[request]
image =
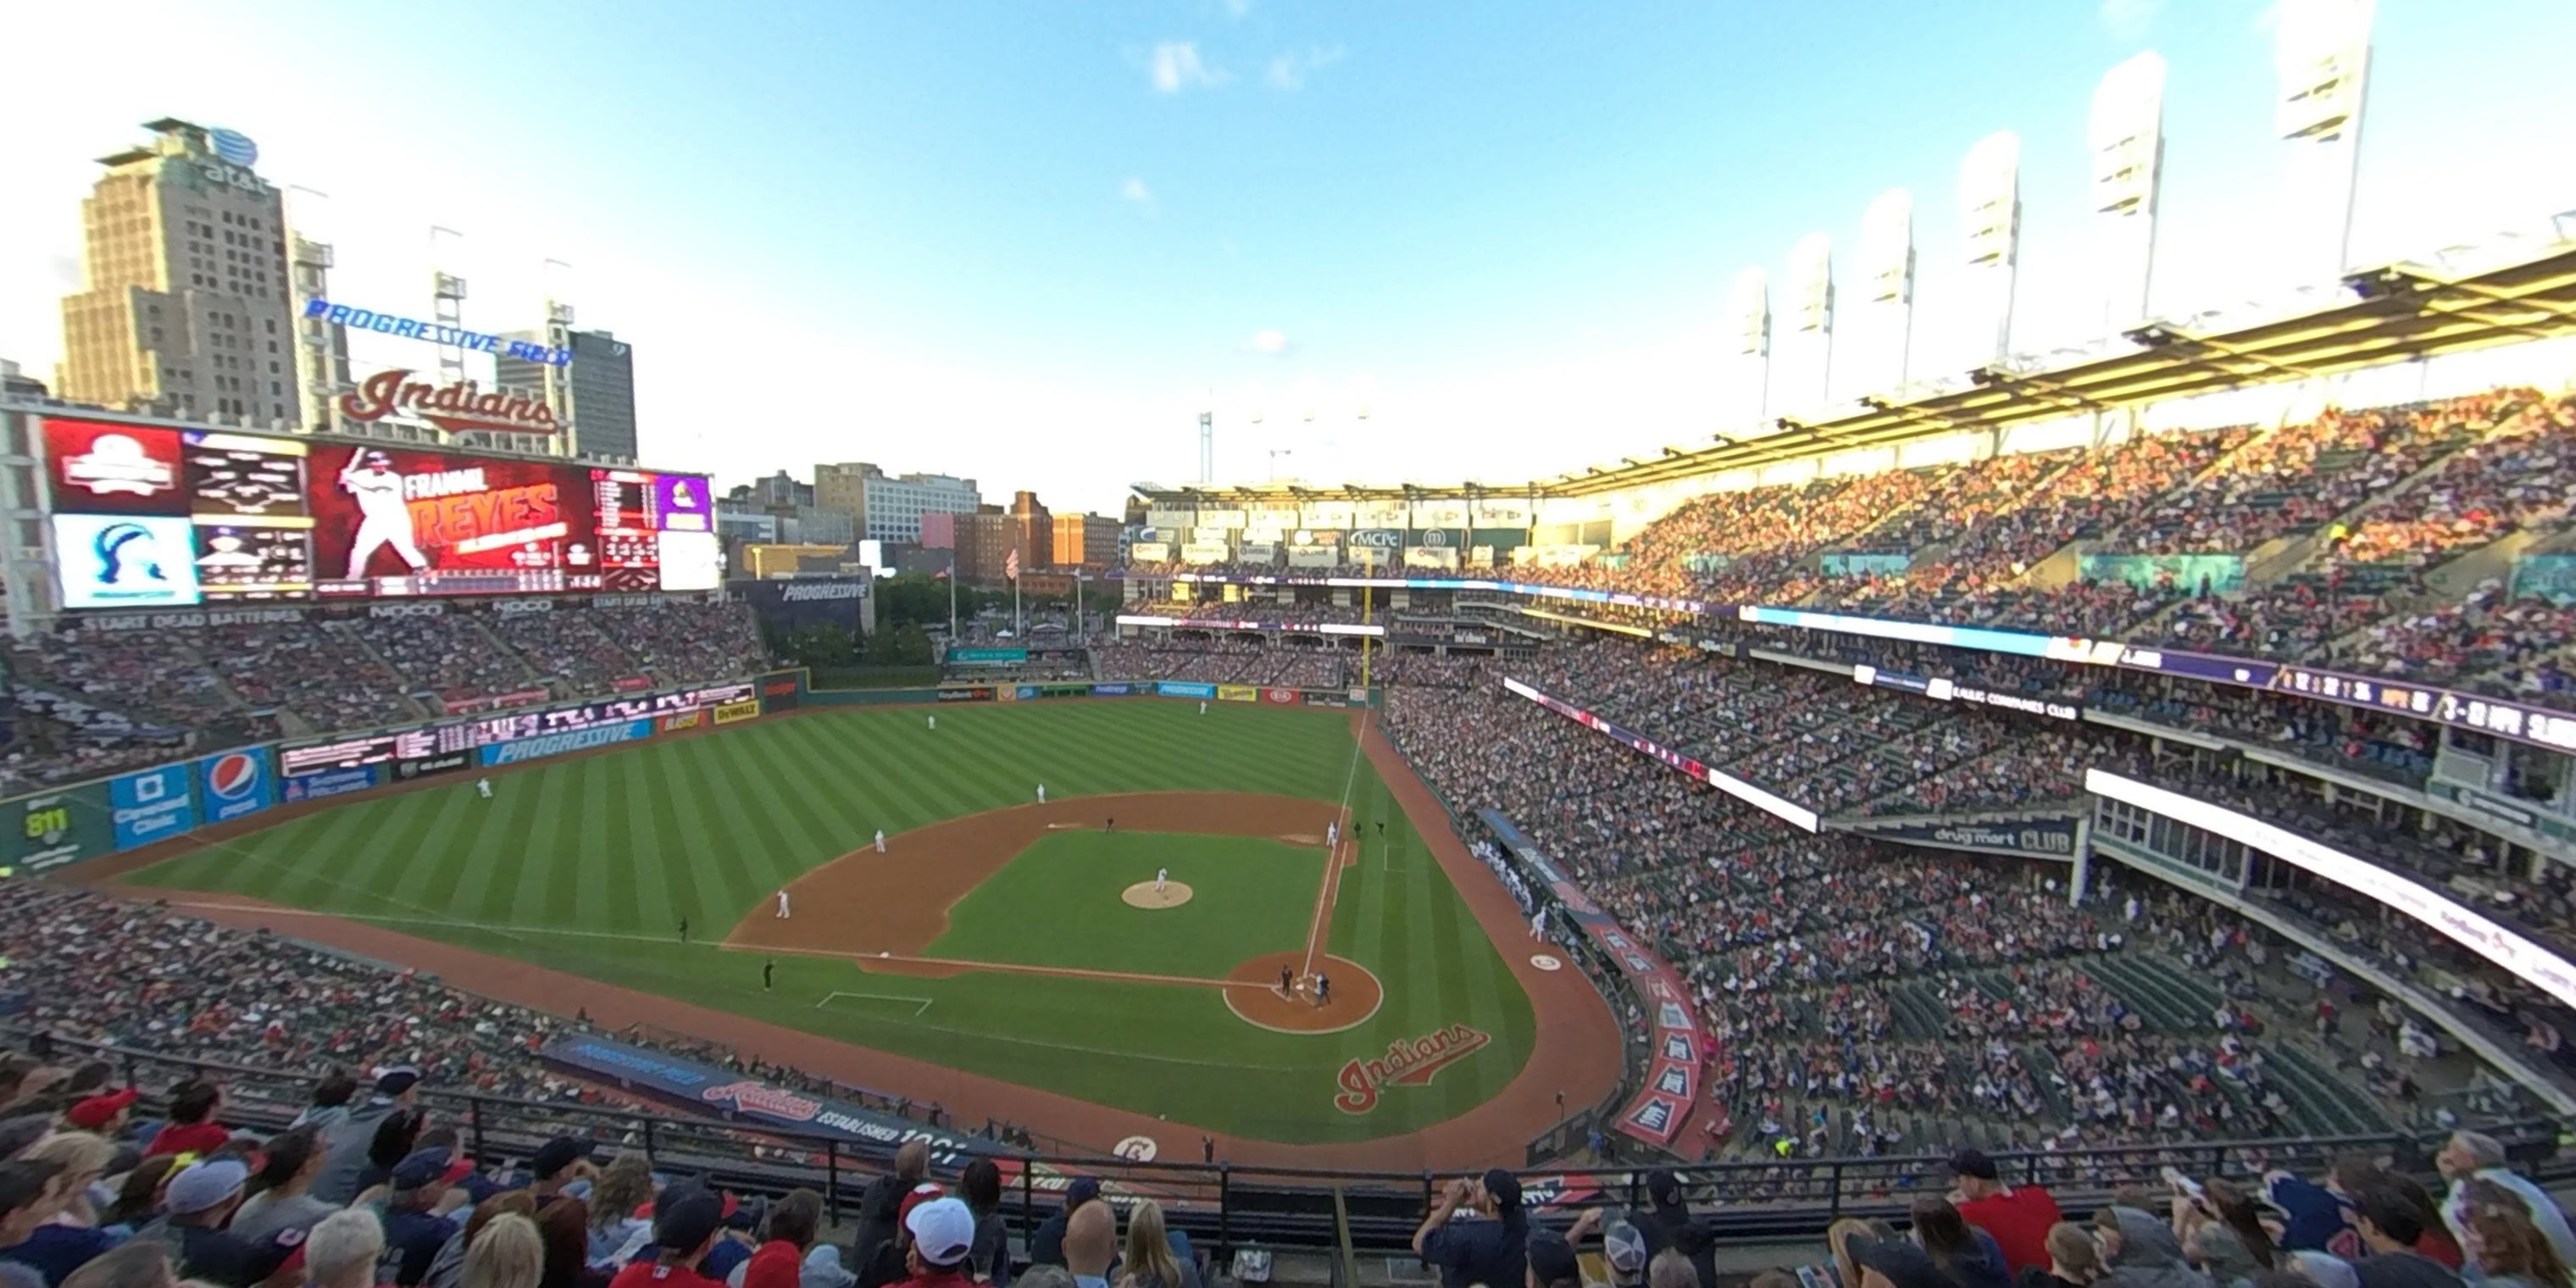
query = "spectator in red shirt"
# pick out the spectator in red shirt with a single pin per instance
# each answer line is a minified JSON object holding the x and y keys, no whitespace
{"x":192,"y":1128}
{"x":685,"y":1222}
{"x":780,"y":1262}
{"x":943,"y":1232}
{"x":2018,"y":1216}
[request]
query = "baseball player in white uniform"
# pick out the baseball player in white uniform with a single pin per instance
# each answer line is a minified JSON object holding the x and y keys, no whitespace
{"x":1042,"y":793}
{"x":934,"y":724}
{"x":782,"y":905}
{"x":1162,"y":878}
{"x":483,"y":788}
{"x":1538,"y":924}
{"x":370,"y":479}
{"x":881,"y":840}
{"x":1332,"y":834}
{"x":1202,"y":706}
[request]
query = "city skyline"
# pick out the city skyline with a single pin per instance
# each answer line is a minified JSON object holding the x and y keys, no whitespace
{"x":1044,"y":238}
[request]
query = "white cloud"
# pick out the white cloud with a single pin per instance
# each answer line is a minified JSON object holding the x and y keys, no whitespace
{"x":1135,"y":191}
{"x":1176,"y":66}
{"x":1290,"y":70}
{"x":1268,"y":343}
{"x":2130,"y":19}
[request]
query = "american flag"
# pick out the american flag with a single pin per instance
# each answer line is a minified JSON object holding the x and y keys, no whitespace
{"x":1011,"y":566}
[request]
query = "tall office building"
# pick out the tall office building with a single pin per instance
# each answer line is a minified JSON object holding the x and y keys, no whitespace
{"x":1085,"y":541}
{"x":890,"y":507}
{"x":595,"y":393}
{"x":188,"y":308}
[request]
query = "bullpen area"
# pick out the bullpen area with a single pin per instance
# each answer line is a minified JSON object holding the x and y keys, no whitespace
{"x":1252,"y":924}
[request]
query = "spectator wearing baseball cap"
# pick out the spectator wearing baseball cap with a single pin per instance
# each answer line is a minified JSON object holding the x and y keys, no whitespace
{"x":397,"y":1091}
{"x":416,"y":1211}
{"x":1623,"y":1245}
{"x":558,"y":1163}
{"x":105,"y":1113}
{"x":1551,"y":1262}
{"x":2018,"y":1216}
{"x":1666,"y":1222}
{"x":191,"y":1128}
{"x":1475,"y":1232}
{"x":685,"y":1222}
{"x":1046,"y":1248}
{"x":197,"y":1203}
{"x":734,"y":1243}
{"x":32,"y":1194}
{"x":943,"y":1236}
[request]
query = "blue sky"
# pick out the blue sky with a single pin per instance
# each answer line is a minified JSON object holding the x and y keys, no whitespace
{"x":1018,"y":241}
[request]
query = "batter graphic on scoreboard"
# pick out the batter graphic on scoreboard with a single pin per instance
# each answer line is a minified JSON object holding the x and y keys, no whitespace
{"x":378,"y":490}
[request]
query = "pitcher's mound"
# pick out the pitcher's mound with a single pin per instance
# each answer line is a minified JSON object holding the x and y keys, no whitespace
{"x":1144,"y":895}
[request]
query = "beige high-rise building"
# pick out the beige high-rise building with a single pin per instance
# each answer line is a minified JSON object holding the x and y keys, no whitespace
{"x":190,"y":308}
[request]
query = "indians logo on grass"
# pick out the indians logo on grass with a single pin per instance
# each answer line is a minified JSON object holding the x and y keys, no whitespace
{"x":1408,"y":1062}
{"x":761,"y":1098}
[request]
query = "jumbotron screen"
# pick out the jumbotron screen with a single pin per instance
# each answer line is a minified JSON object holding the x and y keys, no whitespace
{"x":150,"y":517}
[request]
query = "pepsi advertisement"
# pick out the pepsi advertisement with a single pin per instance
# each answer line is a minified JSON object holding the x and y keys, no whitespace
{"x":236,"y":784}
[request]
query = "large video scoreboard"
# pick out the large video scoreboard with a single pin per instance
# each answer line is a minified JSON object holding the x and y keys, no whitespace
{"x":152,"y":517}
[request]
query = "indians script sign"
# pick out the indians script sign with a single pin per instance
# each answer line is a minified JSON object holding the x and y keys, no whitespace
{"x":455,"y":407}
{"x":1408,"y":1062}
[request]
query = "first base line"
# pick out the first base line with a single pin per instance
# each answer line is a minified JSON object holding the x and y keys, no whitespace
{"x":924,"y":1003}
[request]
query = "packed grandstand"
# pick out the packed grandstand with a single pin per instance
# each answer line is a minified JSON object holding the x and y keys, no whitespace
{"x":1943,"y":995}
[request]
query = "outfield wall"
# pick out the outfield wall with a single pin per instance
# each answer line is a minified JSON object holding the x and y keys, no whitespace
{"x":51,"y":829}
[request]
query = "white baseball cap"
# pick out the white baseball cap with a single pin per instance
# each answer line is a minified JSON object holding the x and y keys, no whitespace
{"x":943,"y":1231}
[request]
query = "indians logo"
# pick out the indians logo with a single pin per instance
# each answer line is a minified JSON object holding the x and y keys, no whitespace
{"x":760,"y":1098}
{"x":1407,"y":1062}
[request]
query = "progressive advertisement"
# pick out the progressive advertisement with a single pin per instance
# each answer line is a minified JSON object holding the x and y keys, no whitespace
{"x":152,"y":517}
{"x":557,"y":744}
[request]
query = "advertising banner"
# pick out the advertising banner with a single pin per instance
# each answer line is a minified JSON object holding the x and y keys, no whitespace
{"x":803,"y":603}
{"x":1160,"y":517}
{"x":1323,"y":698}
{"x":446,"y":762}
{"x":1237,"y":693}
{"x":1149,"y":552}
{"x":1220,"y":519}
{"x":737,"y":712}
{"x":698,"y":719}
{"x":151,"y":805}
{"x":782,"y":690}
{"x":1257,"y":552}
{"x":988,"y":656}
{"x":978,"y":694}
{"x":1114,"y":690}
{"x":707,"y":1088}
{"x":1176,"y":689}
{"x":1438,"y":538}
{"x":236,"y":784}
{"x":2192,"y":574}
{"x":557,"y":744}
{"x":1006,"y":693}
{"x":57,"y":828}
{"x":1863,"y":563}
{"x":2551,"y":577}
{"x":2047,"y":838}
{"x":1281,"y":696}
{"x":1314,"y":556}
{"x":1657,"y":1113}
{"x":1493,"y":512}
{"x":1377,"y":514}
{"x":1327,"y":514}
{"x":1064,"y":691}
{"x":330,"y":782}
{"x":1444,"y":557}
{"x":1439,"y":514}
{"x":1204,"y":552}
{"x":1376,"y":539}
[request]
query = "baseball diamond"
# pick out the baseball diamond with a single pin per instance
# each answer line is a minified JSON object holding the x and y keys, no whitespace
{"x":1002,"y":957}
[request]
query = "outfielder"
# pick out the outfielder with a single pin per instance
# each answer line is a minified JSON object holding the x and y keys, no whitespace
{"x":370,"y":480}
{"x":934,"y":724}
{"x":881,"y":840}
{"x":1162,"y":878}
{"x":1202,"y":706}
{"x":782,"y":905}
{"x":483,"y":788}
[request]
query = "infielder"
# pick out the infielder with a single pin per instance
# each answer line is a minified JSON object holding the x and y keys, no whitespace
{"x":782,"y":905}
{"x":1042,"y":793}
{"x":483,"y":788}
{"x":881,"y":840}
{"x":1332,"y":835}
{"x":1162,"y":878}
{"x":370,"y":480}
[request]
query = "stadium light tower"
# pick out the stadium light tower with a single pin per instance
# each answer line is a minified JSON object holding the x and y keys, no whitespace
{"x":1811,"y":276}
{"x":1990,"y":210}
{"x":2322,"y":51}
{"x":447,"y":299}
{"x":1887,"y":270}
{"x":1748,"y":307}
{"x":2128,"y":143}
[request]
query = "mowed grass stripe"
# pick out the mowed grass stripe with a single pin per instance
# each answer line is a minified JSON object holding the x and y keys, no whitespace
{"x":928,"y":783}
{"x":699,"y":832}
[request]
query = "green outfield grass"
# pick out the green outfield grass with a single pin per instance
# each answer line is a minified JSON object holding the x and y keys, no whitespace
{"x":588,"y":865}
{"x":1248,"y":897}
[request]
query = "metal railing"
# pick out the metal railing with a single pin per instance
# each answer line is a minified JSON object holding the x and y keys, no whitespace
{"x":1234,"y":1204}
